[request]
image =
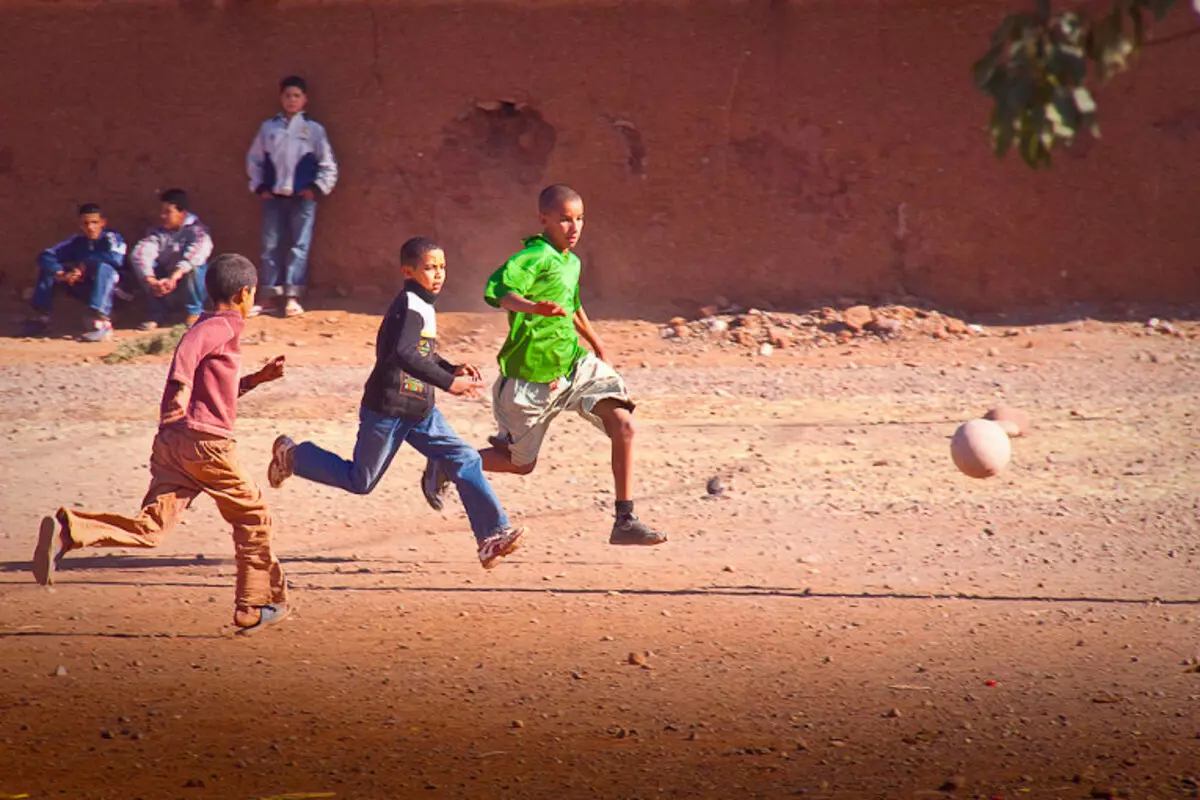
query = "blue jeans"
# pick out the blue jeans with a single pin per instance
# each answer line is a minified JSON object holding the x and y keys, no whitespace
{"x":96,"y":288}
{"x":379,"y":438}
{"x":190,"y":290}
{"x":287,"y":227}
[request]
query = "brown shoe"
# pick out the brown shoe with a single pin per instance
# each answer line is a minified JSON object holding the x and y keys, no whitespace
{"x":632,"y":531}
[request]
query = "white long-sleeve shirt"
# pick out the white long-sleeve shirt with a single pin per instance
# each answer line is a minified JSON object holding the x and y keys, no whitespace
{"x":291,"y":155}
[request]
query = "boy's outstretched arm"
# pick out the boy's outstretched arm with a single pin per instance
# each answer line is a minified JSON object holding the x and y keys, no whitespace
{"x":271,"y":371}
{"x":584,"y":326}
{"x":519,"y":305}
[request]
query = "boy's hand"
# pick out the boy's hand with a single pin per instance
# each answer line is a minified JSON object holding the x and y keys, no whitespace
{"x":546,"y":308}
{"x":272,"y":370}
{"x":470,"y":370}
{"x":71,"y":276}
{"x":466,"y":386}
{"x":161,"y":286}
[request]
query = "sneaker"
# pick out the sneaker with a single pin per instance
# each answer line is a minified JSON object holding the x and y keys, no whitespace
{"x":499,"y":545}
{"x":266,"y":306}
{"x":293,"y":308}
{"x":102,"y":331}
{"x":433,"y":485}
{"x":631,"y":530}
{"x":148,"y":325}
{"x":51,"y":545}
{"x":34,"y":326}
{"x":280,"y":468}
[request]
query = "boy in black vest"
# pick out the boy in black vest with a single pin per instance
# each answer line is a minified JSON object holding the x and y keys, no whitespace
{"x":398,"y":407}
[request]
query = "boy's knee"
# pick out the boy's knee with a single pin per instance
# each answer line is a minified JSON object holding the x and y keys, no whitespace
{"x":622,"y":426}
{"x":460,"y":459}
{"x":254,"y":517}
{"x":361,"y":485}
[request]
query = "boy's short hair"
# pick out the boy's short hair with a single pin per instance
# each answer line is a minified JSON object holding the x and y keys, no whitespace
{"x":412,"y":252}
{"x":555,"y":196}
{"x":90,"y":208}
{"x":227,"y":274}
{"x":177,"y":198}
{"x":293,"y":80}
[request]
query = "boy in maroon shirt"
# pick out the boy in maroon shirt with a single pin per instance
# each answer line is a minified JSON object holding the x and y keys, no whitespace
{"x":194,"y":453}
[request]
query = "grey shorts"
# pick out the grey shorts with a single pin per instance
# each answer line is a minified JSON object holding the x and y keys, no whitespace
{"x":524,"y":410}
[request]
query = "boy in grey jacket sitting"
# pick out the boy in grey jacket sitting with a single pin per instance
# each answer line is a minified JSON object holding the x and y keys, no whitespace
{"x":172,"y":259}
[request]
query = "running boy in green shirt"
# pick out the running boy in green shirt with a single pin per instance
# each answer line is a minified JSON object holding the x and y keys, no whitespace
{"x":544,"y":369}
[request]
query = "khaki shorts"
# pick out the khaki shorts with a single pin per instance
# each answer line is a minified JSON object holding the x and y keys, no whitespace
{"x":524,"y":410}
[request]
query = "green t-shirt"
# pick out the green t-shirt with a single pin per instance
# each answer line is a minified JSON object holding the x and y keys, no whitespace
{"x":539,"y":349}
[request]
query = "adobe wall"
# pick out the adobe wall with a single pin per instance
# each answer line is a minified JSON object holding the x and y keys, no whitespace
{"x":776,"y":150}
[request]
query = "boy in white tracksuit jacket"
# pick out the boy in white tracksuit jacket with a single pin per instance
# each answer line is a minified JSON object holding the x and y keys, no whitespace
{"x":290,"y":165}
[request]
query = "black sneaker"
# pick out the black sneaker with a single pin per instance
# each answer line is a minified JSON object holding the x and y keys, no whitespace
{"x":631,"y":530}
{"x":433,"y":485}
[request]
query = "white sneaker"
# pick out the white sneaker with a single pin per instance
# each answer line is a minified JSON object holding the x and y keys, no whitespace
{"x":498,"y":545}
{"x":293,"y":308}
{"x":280,"y":468}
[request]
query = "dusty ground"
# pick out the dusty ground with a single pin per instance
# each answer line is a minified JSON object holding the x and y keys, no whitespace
{"x":852,"y":618}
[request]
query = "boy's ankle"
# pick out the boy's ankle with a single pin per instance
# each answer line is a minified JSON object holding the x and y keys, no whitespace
{"x":623,"y":510}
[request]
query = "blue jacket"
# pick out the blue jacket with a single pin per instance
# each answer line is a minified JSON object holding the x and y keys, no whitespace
{"x":108,"y":249}
{"x":289,"y":156}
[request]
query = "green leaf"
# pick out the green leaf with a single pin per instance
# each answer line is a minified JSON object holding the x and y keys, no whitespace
{"x":1067,"y":64}
{"x":1083,"y":100}
{"x":984,"y":69}
{"x":1160,"y":7}
{"x":1139,"y":25}
{"x":1001,"y":131}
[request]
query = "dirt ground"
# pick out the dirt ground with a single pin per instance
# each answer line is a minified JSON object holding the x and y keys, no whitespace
{"x":851,"y":618}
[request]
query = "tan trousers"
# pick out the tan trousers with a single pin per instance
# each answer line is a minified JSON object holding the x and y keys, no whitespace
{"x":183,"y":464}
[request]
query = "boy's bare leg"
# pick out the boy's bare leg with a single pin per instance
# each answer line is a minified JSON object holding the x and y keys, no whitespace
{"x":618,"y":424}
{"x":498,"y":459}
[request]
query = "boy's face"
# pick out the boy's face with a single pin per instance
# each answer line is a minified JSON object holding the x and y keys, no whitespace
{"x":243,"y":301}
{"x":430,"y":273}
{"x":92,"y":225}
{"x":564,"y":227}
{"x":172,"y":217}
{"x":293,"y":100}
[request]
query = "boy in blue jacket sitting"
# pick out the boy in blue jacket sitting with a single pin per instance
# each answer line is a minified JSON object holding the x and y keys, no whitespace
{"x":86,"y":266}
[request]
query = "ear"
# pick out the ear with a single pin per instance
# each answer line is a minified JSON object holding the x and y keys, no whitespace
{"x":244,"y":294}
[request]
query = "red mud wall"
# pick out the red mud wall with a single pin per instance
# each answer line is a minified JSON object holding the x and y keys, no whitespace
{"x":776,"y":150}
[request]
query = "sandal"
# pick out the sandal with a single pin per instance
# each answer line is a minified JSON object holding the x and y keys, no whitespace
{"x":267,"y":616}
